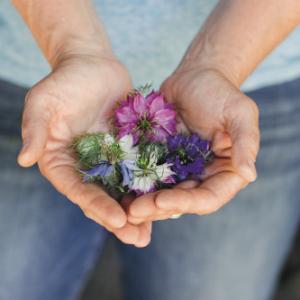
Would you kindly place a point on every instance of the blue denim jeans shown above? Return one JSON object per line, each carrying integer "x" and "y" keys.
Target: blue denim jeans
{"x": 47, "y": 246}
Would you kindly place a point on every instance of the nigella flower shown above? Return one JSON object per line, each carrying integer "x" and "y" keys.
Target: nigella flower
{"x": 148, "y": 117}
{"x": 147, "y": 174}
{"x": 120, "y": 156}
{"x": 127, "y": 159}
{"x": 103, "y": 169}
{"x": 188, "y": 155}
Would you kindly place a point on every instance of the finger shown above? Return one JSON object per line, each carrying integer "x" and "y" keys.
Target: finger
{"x": 144, "y": 208}
{"x": 144, "y": 235}
{"x": 221, "y": 141}
{"x": 35, "y": 125}
{"x": 155, "y": 217}
{"x": 150, "y": 218}
{"x": 224, "y": 153}
{"x": 187, "y": 184}
{"x": 128, "y": 234}
{"x": 217, "y": 166}
{"x": 91, "y": 198}
{"x": 204, "y": 199}
{"x": 243, "y": 129}
{"x": 139, "y": 236}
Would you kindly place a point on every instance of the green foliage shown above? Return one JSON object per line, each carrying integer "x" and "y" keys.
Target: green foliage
{"x": 159, "y": 149}
{"x": 144, "y": 89}
{"x": 88, "y": 149}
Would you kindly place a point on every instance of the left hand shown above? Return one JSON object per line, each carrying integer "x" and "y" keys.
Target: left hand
{"x": 77, "y": 97}
{"x": 210, "y": 105}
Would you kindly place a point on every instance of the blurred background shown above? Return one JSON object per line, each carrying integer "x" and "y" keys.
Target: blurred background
{"x": 105, "y": 280}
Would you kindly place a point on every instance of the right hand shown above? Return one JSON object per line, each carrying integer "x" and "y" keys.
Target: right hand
{"x": 77, "y": 97}
{"x": 211, "y": 105}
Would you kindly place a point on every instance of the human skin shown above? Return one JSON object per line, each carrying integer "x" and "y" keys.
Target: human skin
{"x": 76, "y": 97}
{"x": 236, "y": 37}
{"x": 87, "y": 78}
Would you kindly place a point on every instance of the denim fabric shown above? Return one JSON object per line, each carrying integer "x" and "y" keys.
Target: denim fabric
{"x": 47, "y": 246}
{"x": 237, "y": 252}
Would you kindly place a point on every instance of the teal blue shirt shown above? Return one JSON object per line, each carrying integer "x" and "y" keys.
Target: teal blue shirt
{"x": 149, "y": 36}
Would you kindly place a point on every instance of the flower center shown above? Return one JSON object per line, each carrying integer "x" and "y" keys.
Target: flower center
{"x": 114, "y": 153}
{"x": 144, "y": 124}
{"x": 183, "y": 155}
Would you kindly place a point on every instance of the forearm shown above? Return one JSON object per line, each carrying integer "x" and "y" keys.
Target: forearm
{"x": 61, "y": 26}
{"x": 239, "y": 34}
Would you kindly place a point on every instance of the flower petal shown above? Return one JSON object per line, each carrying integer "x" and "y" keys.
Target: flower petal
{"x": 164, "y": 172}
{"x": 143, "y": 184}
{"x": 103, "y": 169}
{"x": 139, "y": 104}
{"x": 126, "y": 144}
{"x": 125, "y": 115}
{"x": 164, "y": 116}
{"x": 126, "y": 172}
{"x": 128, "y": 129}
{"x": 156, "y": 104}
{"x": 152, "y": 95}
{"x": 157, "y": 134}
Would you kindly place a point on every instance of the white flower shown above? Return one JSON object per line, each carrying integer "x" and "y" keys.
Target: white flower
{"x": 144, "y": 181}
{"x": 164, "y": 172}
{"x": 143, "y": 184}
{"x": 108, "y": 139}
{"x": 126, "y": 145}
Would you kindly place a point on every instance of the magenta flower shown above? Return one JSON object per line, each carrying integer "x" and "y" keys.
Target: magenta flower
{"x": 147, "y": 117}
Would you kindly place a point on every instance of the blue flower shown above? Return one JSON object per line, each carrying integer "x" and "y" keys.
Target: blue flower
{"x": 126, "y": 167}
{"x": 103, "y": 169}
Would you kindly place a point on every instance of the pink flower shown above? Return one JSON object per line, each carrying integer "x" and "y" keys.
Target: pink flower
{"x": 147, "y": 117}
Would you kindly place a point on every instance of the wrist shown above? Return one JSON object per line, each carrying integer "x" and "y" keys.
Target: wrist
{"x": 73, "y": 46}
{"x": 61, "y": 27}
{"x": 203, "y": 57}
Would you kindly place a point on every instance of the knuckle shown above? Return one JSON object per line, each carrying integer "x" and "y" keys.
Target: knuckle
{"x": 109, "y": 209}
{"x": 32, "y": 95}
{"x": 86, "y": 203}
{"x": 211, "y": 203}
{"x": 252, "y": 107}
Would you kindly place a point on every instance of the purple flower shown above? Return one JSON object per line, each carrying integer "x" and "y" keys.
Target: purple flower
{"x": 188, "y": 155}
{"x": 150, "y": 117}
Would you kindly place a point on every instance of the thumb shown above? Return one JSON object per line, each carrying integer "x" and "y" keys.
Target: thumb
{"x": 244, "y": 132}
{"x": 34, "y": 132}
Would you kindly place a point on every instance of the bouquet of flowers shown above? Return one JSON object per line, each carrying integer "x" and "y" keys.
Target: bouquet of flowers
{"x": 143, "y": 152}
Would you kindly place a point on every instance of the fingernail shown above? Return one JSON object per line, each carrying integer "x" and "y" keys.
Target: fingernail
{"x": 22, "y": 156}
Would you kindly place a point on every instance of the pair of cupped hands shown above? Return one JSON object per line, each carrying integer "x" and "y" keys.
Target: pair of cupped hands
{"x": 78, "y": 97}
